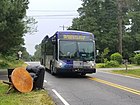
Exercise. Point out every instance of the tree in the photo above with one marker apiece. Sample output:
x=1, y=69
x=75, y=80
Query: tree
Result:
x=13, y=24
x=125, y=7
x=115, y=24
x=120, y=20
x=25, y=55
x=37, y=54
x=99, y=17
x=131, y=35
x=104, y=55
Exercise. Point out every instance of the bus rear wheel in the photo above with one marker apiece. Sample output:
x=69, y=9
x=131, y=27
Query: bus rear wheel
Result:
x=52, y=70
x=82, y=74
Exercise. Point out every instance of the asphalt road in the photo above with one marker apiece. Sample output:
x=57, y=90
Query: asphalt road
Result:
x=95, y=89
x=100, y=88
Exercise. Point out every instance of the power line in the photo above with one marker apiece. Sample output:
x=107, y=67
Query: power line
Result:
x=52, y=15
x=52, y=11
x=54, y=18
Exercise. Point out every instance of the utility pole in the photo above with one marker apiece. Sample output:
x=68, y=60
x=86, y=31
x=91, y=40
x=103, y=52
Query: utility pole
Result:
x=64, y=27
x=119, y=4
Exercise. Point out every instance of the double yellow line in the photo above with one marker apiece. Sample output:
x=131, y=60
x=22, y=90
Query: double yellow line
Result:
x=116, y=86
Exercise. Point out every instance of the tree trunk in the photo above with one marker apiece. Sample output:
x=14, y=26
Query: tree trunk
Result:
x=119, y=4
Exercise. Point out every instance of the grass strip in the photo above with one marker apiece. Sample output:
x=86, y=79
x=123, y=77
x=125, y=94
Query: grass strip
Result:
x=36, y=97
x=130, y=72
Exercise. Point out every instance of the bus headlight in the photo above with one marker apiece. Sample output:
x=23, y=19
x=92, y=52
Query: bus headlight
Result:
x=92, y=64
x=60, y=64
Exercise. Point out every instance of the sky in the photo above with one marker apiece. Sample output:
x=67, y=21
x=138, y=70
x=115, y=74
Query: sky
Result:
x=50, y=15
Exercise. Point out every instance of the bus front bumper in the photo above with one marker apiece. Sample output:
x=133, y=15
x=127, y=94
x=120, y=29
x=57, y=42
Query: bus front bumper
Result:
x=76, y=70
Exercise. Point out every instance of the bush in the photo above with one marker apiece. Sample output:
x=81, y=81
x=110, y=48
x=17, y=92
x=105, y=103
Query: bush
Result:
x=100, y=65
x=112, y=63
x=9, y=62
x=132, y=60
x=108, y=64
x=4, y=64
x=137, y=59
x=116, y=57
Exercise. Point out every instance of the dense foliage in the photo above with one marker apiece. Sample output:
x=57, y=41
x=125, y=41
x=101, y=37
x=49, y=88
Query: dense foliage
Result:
x=13, y=25
x=10, y=62
x=108, y=19
x=116, y=57
x=37, y=54
x=111, y=63
x=137, y=59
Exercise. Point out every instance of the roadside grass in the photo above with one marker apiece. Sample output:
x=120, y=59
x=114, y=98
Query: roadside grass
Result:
x=36, y=97
x=129, y=72
x=12, y=64
x=19, y=63
x=102, y=65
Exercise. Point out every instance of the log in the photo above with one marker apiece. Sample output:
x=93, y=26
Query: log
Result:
x=22, y=80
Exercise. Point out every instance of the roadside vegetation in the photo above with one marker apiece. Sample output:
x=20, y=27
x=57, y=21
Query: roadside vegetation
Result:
x=10, y=62
x=116, y=61
x=39, y=97
x=130, y=72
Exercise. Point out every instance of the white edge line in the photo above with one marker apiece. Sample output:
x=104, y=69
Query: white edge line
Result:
x=60, y=97
x=120, y=75
x=27, y=63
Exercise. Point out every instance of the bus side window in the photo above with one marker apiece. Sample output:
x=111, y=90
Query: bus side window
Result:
x=56, y=51
x=49, y=48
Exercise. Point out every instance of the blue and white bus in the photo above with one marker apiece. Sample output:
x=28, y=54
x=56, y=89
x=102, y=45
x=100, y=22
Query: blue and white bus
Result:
x=69, y=52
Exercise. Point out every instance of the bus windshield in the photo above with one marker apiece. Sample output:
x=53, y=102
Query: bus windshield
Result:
x=77, y=50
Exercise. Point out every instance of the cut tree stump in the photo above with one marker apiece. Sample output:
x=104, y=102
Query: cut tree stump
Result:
x=22, y=80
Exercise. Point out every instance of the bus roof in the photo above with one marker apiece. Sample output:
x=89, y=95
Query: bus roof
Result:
x=73, y=32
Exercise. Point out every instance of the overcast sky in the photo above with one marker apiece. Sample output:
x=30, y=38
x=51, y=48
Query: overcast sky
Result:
x=51, y=15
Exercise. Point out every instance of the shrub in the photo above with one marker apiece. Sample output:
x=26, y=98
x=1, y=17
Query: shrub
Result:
x=100, y=65
x=116, y=57
x=10, y=62
x=104, y=55
x=137, y=59
x=4, y=64
x=132, y=60
x=112, y=63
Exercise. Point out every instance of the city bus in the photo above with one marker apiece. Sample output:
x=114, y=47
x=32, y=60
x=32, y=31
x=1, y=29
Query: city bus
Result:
x=69, y=51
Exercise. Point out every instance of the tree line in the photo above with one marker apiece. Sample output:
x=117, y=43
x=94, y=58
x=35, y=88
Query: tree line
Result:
x=14, y=24
x=115, y=24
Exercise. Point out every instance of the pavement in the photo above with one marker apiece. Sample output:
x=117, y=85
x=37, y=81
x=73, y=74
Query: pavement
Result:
x=3, y=74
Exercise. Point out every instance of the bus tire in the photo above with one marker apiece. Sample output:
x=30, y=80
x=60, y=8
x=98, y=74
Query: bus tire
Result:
x=82, y=74
x=52, y=70
x=41, y=61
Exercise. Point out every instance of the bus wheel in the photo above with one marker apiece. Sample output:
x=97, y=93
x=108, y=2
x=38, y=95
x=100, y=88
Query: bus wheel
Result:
x=52, y=70
x=82, y=74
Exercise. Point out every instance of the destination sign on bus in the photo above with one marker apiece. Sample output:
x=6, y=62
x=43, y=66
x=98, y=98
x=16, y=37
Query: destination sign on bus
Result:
x=76, y=37
x=71, y=37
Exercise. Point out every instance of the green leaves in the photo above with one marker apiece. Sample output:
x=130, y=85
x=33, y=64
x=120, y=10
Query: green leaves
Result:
x=101, y=18
x=13, y=25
